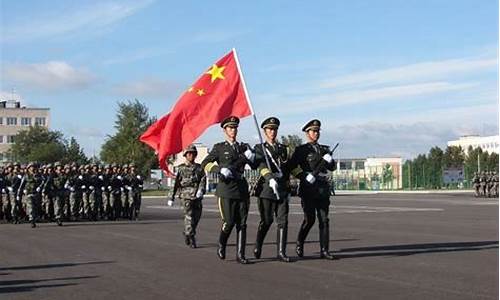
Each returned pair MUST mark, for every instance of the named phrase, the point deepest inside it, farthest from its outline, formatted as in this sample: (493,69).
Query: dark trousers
(312,207)
(270,209)
(233,212)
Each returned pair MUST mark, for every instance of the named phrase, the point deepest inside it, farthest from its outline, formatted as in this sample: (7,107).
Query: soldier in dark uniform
(106,191)
(31,186)
(16,199)
(310,163)
(48,192)
(483,182)
(116,184)
(272,188)
(135,195)
(125,192)
(190,184)
(232,189)
(476,184)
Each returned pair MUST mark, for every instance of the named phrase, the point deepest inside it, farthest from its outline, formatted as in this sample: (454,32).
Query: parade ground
(390,246)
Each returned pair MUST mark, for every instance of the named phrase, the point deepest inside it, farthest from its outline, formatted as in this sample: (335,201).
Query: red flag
(216,95)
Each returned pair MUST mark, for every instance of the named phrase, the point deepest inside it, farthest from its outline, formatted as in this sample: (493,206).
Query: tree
(37,144)
(435,167)
(132,119)
(292,141)
(74,153)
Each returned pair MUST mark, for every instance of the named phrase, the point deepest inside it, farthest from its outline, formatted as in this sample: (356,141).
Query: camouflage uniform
(48,193)
(116,184)
(189,180)
(135,194)
(15,179)
(106,190)
(483,182)
(59,180)
(476,184)
(31,186)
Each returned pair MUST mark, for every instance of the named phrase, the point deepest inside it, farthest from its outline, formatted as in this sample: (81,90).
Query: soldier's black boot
(324,241)
(187,239)
(59,222)
(33,223)
(241,241)
(299,249)
(221,250)
(193,242)
(261,234)
(281,241)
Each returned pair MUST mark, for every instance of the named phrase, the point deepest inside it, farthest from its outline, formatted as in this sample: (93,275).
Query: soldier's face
(190,157)
(271,133)
(312,135)
(231,132)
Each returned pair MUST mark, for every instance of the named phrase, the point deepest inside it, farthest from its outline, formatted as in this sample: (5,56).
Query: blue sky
(384,77)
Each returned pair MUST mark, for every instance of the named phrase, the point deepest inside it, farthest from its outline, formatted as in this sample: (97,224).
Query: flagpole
(251,109)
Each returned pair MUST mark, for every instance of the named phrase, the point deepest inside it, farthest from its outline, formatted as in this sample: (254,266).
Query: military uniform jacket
(116,183)
(136,181)
(189,178)
(48,184)
(15,181)
(231,157)
(308,158)
(30,183)
(280,155)
(59,181)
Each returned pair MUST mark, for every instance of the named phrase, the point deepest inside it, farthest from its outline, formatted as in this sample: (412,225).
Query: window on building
(26,121)
(11,121)
(40,121)
(1,139)
(360,165)
(1,121)
(10,139)
(345,165)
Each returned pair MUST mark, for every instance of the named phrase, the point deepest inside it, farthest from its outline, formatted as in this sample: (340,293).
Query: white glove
(170,202)
(199,194)
(38,189)
(129,188)
(310,178)
(91,188)
(3,190)
(102,188)
(19,176)
(25,192)
(138,177)
(18,198)
(119,177)
(328,158)
(226,172)
(121,189)
(83,187)
(109,188)
(249,155)
(100,177)
(72,189)
(10,189)
(274,185)
(80,177)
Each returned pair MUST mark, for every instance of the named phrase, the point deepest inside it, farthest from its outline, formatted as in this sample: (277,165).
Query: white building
(486,143)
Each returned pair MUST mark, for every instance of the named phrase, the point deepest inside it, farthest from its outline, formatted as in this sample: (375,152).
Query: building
(371,173)
(488,144)
(14,118)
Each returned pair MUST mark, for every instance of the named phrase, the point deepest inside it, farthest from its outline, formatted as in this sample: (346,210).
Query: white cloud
(149,87)
(89,18)
(50,76)
(413,72)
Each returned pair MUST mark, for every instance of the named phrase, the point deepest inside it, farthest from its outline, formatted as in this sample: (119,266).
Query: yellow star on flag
(216,72)
(200,92)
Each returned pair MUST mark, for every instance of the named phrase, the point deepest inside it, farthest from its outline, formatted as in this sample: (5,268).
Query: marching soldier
(59,180)
(135,194)
(4,196)
(116,188)
(310,163)
(476,184)
(16,198)
(48,192)
(232,189)
(125,192)
(106,190)
(190,182)
(272,188)
(483,182)
(31,186)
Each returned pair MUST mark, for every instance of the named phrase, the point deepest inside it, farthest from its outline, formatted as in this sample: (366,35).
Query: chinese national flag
(216,95)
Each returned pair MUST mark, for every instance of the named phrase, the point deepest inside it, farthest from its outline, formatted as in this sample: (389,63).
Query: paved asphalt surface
(391,246)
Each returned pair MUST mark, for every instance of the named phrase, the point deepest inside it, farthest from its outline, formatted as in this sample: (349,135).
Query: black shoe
(59,222)
(300,250)
(243,260)
(241,239)
(193,242)
(187,240)
(326,255)
(221,252)
(257,251)
(33,224)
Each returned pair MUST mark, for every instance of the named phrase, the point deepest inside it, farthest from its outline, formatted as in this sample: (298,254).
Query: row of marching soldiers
(69,192)
(485,184)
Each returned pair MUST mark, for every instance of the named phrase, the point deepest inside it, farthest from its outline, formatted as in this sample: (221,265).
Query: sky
(386,78)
